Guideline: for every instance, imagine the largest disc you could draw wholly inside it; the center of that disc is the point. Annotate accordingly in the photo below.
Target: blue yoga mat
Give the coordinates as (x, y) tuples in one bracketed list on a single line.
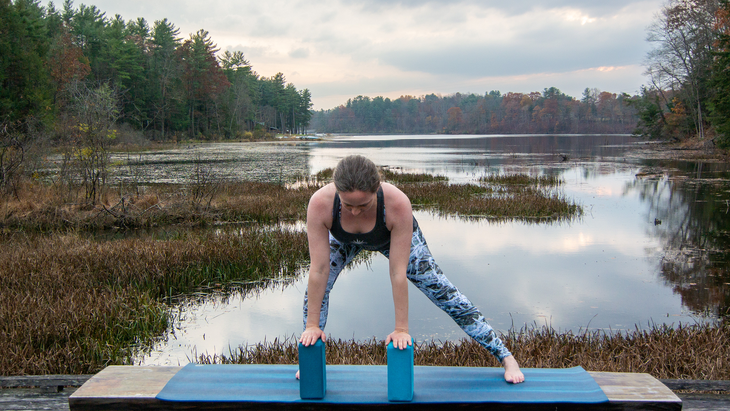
[(366, 384)]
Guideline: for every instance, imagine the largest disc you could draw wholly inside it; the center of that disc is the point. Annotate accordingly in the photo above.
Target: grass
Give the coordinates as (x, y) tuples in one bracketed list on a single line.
[(72, 305), (498, 197), (516, 179), (400, 178), (699, 351), (46, 208), (476, 201)]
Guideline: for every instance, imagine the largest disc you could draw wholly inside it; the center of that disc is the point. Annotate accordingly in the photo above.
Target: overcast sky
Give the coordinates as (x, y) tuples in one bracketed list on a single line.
[(340, 49)]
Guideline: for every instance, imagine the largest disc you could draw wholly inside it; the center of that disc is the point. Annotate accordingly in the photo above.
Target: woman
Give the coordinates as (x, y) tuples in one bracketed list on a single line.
[(357, 211)]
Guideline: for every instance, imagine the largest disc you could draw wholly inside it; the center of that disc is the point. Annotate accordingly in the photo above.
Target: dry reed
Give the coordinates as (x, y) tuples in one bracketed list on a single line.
[(47, 208), (699, 351), (473, 201), (73, 305), (400, 177), (44, 208), (516, 179)]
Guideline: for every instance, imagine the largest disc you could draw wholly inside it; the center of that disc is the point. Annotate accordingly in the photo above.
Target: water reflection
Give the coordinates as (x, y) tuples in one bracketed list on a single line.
[(464, 157), (212, 321), (648, 249), (689, 204)]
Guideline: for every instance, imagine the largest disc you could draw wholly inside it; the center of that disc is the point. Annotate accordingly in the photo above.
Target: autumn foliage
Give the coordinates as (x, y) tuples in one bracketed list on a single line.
[(548, 112)]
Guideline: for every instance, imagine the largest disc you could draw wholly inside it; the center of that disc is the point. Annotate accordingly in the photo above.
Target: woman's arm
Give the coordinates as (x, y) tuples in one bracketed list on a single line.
[(399, 216), (318, 211)]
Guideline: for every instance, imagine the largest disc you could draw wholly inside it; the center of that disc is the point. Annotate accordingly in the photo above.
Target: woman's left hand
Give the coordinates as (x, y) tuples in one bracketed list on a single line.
[(400, 339)]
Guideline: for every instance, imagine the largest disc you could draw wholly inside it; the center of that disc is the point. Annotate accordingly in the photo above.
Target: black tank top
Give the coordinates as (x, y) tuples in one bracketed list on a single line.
[(376, 239)]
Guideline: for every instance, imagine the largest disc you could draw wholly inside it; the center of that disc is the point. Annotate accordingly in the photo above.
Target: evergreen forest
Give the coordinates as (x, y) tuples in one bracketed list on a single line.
[(60, 68)]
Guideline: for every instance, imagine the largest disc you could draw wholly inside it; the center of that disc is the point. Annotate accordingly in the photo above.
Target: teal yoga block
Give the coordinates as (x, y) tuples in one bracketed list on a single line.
[(400, 373), (312, 371)]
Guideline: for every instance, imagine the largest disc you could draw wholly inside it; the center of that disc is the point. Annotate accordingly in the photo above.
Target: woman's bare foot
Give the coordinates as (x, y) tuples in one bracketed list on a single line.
[(512, 371)]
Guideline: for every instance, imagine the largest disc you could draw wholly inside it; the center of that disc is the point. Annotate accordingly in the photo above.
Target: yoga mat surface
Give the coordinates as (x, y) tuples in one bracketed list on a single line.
[(365, 384)]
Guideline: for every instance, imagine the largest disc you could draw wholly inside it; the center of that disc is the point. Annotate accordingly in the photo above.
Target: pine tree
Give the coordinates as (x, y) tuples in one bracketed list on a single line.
[(720, 80), (24, 44)]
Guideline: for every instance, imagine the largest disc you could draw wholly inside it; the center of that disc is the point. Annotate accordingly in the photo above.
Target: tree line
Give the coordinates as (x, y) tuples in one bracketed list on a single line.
[(688, 94), (77, 82), (161, 84), (551, 111)]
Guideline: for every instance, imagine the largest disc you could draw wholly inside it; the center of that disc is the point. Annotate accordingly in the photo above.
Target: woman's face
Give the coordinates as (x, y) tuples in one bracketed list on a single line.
[(358, 202)]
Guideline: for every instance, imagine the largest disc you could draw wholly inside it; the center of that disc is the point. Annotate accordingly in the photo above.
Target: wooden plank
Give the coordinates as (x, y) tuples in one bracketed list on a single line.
[(123, 387), (705, 402), (636, 391), (698, 385), (135, 388), (33, 399), (57, 380)]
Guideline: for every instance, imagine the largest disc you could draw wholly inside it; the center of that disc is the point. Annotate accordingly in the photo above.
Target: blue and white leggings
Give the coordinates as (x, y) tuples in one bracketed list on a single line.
[(426, 275)]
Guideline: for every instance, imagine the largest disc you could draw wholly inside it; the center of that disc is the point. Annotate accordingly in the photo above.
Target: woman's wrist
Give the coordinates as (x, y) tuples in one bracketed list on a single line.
[(401, 330)]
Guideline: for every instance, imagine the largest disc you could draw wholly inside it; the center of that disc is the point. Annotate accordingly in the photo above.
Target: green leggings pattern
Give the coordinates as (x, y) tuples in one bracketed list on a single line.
[(426, 275)]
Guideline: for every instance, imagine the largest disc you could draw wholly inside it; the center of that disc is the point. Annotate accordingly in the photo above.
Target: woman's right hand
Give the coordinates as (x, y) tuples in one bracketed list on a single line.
[(311, 335)]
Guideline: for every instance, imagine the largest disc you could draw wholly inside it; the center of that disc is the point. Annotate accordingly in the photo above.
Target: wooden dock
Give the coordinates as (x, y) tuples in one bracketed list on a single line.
[(135, 388), (51, 392)]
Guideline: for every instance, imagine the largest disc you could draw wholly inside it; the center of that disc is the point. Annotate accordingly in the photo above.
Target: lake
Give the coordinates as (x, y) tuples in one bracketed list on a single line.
[(651, 247)]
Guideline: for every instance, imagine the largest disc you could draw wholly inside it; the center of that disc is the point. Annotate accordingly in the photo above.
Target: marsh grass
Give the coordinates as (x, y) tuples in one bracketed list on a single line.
[(517, 179), (46, 208), (475, 201), (71, 304), (696, 351), (43, 208), (400, 177), (700, 351)]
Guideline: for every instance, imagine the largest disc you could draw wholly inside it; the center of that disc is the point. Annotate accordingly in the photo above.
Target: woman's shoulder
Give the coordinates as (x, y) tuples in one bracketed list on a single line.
[(393, 193), (395, 199), (323, 197)]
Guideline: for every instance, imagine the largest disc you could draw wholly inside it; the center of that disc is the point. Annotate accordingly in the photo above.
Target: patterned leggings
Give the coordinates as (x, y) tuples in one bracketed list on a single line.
[(426, 275)]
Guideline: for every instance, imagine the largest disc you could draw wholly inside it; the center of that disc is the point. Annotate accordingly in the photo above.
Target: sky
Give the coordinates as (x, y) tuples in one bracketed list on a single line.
[(339, 49)]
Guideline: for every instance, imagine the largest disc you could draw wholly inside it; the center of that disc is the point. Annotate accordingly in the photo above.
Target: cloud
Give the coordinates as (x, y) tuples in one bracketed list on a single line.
[(477, 60), (510, 8), (299, 53), (343, 48), (616, 79), (492, 44)]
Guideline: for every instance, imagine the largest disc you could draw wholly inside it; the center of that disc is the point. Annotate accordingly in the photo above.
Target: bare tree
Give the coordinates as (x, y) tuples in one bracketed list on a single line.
[(92, 130), (682, 33)]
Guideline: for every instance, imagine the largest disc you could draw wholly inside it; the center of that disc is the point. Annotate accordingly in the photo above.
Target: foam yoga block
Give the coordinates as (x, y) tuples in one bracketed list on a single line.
[(400, 373), (312, 371)]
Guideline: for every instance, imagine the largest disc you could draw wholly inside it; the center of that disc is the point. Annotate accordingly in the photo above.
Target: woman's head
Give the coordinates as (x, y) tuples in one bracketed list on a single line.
[(356, 173)]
